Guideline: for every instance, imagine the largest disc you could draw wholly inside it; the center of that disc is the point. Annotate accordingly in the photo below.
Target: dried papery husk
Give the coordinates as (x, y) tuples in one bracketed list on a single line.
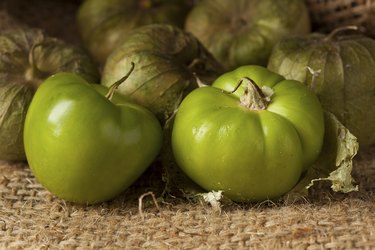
[(243, 32), (27, 57), (168, 62), (340, 69), (14, 102), (104, 25)]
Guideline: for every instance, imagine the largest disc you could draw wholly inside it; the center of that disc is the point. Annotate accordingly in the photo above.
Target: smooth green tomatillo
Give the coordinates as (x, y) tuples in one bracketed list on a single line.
[(84, 146), (253, 142)]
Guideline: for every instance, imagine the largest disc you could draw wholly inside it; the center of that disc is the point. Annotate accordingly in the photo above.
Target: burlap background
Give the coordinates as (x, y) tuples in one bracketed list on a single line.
[(32, 218)]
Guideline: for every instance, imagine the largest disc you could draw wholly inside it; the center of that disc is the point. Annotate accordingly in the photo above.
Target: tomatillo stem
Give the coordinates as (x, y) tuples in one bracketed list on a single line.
[(115, 85), (32, 56), (33, 73), (199, 81), (338, 30), (253, 97)]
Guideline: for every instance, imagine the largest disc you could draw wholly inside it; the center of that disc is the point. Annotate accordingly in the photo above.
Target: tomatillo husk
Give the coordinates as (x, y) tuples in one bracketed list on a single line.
[(27, 57)]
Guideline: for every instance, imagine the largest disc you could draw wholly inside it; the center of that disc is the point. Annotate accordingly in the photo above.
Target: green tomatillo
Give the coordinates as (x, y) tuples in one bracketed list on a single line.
[(85, 143), (251, 134)]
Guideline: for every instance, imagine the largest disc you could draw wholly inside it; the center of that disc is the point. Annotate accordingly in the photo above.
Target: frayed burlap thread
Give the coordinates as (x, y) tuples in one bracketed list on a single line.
[(31, 217)]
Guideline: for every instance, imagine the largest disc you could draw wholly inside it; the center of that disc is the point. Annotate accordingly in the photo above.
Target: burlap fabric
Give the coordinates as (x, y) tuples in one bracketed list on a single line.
[(32, 218)]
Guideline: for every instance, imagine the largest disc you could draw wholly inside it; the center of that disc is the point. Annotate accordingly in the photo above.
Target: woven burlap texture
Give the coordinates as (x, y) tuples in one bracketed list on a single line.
[(32, 218)]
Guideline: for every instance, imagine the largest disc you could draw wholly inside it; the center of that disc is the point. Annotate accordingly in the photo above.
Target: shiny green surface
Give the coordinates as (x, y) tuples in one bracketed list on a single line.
[(83, 147), (250, 155)]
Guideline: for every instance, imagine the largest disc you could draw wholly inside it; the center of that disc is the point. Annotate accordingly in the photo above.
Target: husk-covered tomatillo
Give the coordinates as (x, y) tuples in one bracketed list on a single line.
[(243, 32), (27, 57), (168, 62), (104, 25), (340, 68)]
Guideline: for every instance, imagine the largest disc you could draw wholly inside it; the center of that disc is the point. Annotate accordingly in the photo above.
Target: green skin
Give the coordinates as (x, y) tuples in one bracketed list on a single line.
[(83, 146), (252, 155)]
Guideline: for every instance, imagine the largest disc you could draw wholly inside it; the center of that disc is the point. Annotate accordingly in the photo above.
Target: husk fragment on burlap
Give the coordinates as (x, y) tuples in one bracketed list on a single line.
[(32, 218)]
